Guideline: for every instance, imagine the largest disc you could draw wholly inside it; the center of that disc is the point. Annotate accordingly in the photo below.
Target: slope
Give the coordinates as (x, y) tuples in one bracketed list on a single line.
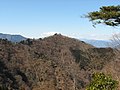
[(53, 63)]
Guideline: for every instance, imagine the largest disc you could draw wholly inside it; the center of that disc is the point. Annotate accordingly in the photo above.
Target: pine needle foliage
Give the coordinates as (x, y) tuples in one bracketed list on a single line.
[(108, 15)]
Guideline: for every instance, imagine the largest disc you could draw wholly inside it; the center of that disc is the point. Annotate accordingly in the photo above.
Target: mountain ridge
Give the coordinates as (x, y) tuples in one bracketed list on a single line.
[(52, 63), (98, 43), (13, 38), (18, 38)]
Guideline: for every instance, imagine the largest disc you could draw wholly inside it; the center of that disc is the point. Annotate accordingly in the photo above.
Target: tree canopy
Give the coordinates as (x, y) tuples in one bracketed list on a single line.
[(102, 82), (108, 15)]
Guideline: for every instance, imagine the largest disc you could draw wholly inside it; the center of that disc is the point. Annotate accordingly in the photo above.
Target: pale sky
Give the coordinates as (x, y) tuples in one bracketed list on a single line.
[(40, 18)]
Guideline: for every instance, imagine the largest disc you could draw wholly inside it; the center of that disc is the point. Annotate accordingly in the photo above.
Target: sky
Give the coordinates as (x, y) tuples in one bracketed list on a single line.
[(41, 18)]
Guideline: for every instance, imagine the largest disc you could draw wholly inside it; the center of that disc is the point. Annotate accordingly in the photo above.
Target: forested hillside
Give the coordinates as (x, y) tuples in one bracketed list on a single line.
[(53, 63)]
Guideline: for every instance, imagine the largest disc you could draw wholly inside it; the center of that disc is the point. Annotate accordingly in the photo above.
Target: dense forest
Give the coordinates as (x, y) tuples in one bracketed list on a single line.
[(54, 63)]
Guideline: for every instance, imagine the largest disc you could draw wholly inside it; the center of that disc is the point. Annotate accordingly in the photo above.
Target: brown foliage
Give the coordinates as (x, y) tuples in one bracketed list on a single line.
[(53, 63)]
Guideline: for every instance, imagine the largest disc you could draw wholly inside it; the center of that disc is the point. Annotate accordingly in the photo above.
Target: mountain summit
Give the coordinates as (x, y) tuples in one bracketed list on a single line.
[(18, 38)]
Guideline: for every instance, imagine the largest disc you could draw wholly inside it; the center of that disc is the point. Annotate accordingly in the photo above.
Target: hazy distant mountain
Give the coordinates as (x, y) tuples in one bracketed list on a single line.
[(98, 43), (13, 38)]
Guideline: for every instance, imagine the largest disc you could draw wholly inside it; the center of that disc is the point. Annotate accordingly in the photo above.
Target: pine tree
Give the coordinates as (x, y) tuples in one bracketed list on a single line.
[(108, 15)]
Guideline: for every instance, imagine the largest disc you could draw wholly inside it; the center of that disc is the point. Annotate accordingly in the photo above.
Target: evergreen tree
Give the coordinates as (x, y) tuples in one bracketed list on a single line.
[(108, 15)]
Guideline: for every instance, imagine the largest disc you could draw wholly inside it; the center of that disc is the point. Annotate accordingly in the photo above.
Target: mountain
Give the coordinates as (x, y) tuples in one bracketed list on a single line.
[(13, 38), (98, 43), (53, 63), (18, 38)]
